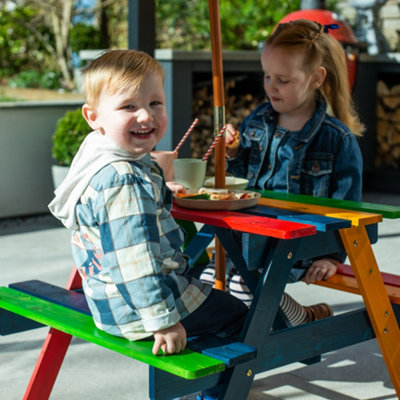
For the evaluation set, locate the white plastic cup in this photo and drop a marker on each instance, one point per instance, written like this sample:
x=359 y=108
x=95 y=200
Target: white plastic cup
x=190 y=172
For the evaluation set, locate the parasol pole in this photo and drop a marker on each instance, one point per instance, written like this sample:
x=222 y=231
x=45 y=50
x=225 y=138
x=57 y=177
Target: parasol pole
x=219 y=122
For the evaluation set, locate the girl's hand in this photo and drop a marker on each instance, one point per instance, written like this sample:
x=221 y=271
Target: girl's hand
x=232 y=141
x=170 y=340
x=176 y=187
x=321 y=270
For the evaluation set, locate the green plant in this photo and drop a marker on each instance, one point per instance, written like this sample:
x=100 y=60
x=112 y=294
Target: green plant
x=70 y=132
x=36 y=79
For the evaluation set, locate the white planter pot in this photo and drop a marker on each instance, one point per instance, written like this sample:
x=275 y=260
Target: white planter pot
x=58 y=173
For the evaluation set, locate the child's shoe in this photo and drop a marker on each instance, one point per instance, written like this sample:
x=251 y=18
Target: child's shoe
x=318 y=311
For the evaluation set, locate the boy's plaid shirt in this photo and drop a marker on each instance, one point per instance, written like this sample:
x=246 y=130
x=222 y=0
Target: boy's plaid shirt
x=127 y=250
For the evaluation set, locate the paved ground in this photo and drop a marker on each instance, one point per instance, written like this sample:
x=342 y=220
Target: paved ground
x=37 y=248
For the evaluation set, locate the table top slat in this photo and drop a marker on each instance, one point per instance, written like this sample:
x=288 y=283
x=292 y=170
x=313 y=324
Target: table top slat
x=321 y=222
x=357 y=218
x=386 y=210
x=246 y=223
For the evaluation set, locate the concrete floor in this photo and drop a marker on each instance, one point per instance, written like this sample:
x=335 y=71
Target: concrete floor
x=37 y=248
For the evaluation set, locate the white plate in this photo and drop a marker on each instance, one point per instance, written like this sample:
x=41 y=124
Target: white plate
x=213 y=205
x=231 y=182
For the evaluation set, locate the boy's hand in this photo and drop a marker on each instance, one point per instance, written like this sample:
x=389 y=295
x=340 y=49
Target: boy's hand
x=170 y=340
x=321 y=270
x=232 y=141
x=176 y=187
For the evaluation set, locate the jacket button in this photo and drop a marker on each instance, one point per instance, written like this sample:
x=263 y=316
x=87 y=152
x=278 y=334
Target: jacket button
x=269 y=166
x=316 y=168
x=278 y=135
x=252 y=133
x=260 y=148
x=251 y=174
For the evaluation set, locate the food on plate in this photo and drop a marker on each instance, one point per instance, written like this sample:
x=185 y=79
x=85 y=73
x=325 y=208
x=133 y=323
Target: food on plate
x=217 y=194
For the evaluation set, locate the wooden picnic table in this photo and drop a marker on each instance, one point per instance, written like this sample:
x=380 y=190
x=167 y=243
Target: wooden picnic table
x=293 y=231
x=335 y=229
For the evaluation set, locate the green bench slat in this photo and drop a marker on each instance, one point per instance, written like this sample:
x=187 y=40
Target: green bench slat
x=387 y=211
x=188 y=364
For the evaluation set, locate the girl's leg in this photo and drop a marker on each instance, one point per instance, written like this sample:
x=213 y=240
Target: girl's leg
x=294 y=311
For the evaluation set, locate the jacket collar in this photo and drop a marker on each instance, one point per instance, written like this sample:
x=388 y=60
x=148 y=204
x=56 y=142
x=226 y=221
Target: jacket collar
x=312 y=126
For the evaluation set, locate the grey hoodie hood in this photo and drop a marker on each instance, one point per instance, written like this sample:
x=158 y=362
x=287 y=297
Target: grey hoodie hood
x=96 y=152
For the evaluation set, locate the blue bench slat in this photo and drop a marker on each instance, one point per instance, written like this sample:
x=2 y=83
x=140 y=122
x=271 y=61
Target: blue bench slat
x=232 y=353
x=55 y=294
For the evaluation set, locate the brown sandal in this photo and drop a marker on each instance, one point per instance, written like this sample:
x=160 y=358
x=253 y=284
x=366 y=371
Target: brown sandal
x=318 y=311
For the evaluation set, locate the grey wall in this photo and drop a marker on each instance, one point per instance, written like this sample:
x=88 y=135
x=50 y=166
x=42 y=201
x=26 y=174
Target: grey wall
x=25 y=155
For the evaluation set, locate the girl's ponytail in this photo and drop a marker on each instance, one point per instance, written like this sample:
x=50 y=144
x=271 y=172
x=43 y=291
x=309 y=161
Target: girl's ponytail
x=320 y=48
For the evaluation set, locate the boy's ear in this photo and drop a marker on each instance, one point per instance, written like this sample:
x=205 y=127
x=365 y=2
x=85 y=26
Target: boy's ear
x=90 y=116
x=319 y=76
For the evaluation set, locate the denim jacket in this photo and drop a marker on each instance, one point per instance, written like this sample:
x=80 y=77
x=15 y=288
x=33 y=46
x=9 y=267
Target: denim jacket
x=322 y=159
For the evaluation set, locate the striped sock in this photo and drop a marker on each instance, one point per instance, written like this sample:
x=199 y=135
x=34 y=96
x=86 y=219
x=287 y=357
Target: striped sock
x=294 y=311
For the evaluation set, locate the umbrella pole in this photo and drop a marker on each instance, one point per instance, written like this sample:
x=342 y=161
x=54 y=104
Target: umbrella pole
x=219 y=122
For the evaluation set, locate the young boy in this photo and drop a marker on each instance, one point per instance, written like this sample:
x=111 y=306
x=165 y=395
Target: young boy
x=125 y=243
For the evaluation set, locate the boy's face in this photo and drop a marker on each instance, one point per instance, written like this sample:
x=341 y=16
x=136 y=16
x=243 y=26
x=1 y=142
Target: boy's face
x=135 y=121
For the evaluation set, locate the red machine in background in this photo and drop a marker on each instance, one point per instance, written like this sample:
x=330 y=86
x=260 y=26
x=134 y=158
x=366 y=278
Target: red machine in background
x=344 y=35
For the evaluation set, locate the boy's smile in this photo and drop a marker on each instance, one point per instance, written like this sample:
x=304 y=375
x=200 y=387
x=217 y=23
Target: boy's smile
x=136 y=121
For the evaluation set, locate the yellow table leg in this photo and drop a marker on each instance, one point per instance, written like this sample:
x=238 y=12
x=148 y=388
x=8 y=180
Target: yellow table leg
x=380 y=311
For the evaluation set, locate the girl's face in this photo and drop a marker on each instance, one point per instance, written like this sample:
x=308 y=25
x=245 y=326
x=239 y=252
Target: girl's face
x=135 y=121
x=288 y=85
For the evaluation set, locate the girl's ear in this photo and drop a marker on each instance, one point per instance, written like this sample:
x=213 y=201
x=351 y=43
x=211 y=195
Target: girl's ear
x=319 y=77
x=90 y=116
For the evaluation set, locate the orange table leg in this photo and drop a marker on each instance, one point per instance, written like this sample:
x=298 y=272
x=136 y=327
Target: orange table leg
x=220 y=265
x=375 y=297
x=51 y=357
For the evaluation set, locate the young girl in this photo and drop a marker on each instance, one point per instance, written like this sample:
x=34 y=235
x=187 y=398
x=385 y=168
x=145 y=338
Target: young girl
x=302 y=140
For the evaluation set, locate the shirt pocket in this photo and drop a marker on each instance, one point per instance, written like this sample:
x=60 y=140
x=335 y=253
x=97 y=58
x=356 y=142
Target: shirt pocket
x=254 y=140
x=316 y=174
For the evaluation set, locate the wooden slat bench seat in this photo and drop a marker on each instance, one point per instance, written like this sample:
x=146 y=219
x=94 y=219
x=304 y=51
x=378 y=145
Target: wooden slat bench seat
x=188 y=364
x=345 y=280
x=67 y=311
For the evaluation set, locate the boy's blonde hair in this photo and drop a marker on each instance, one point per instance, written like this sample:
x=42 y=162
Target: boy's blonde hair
x=116 y=71
x=320 y=48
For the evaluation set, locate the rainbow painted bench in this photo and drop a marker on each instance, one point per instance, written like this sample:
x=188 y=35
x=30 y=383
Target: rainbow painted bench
x=295 y=226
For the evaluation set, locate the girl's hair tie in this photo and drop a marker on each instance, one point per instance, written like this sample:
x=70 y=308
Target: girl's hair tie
x=330 y=26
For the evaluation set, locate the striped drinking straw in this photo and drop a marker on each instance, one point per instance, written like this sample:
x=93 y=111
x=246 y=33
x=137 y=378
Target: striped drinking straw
x=185 y=136
x=214 y=143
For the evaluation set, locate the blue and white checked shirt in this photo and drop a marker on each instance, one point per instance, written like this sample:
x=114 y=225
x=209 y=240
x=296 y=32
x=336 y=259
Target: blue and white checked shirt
x=127 y=250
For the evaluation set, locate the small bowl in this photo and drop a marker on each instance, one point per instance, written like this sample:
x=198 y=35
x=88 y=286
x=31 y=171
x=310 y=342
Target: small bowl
x=231 y=182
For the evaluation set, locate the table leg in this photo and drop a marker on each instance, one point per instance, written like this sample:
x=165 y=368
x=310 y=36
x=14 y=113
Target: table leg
x=261 y=317
x=377 y=303
x=220 y=265
x=51 y=357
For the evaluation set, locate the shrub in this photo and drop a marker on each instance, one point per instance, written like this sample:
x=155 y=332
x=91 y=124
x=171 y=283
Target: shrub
x=70 y=132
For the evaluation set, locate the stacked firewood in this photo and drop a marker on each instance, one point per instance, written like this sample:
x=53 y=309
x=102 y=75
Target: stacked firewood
x=237 y=107
x=388 y=126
